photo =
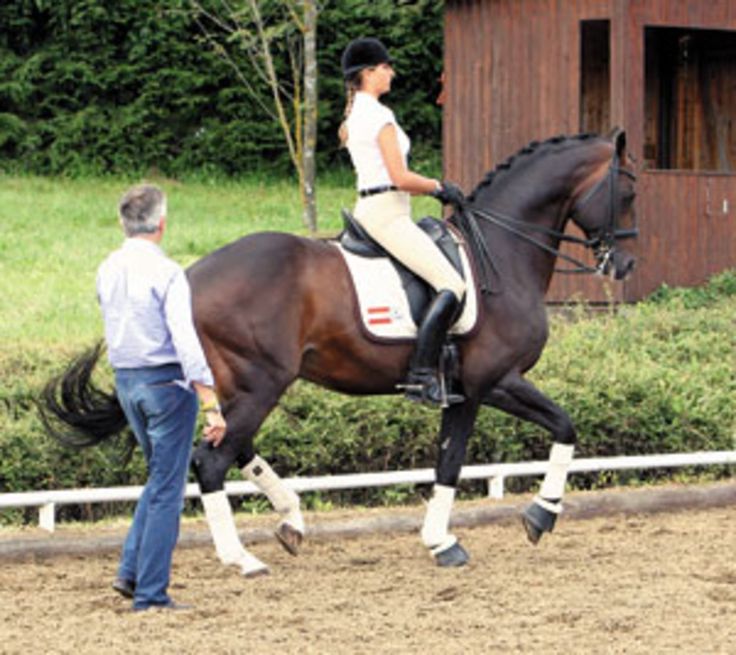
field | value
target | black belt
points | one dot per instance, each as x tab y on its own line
364	193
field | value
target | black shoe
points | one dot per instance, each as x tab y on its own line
423	386
124	587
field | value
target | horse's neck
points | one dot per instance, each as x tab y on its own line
539	192
529	262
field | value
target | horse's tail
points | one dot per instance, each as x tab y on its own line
74	411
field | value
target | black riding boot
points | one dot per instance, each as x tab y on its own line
423	384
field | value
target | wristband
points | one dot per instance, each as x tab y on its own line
210	406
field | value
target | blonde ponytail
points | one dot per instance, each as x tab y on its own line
351	88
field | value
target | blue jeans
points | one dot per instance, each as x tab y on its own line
162	415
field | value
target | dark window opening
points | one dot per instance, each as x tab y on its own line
690	99
595	76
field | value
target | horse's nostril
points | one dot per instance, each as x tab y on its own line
624	268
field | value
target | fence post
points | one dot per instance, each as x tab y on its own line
47	517
495	486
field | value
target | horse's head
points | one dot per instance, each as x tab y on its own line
605	212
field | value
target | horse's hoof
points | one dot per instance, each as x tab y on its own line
537	520
290	538
532	532
455	555
257	573
250	566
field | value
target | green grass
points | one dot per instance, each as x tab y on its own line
56	231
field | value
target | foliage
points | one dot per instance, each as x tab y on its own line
94	86
697	297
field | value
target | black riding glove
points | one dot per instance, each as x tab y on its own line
449	194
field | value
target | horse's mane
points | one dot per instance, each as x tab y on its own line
531	148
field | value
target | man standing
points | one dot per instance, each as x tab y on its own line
160	370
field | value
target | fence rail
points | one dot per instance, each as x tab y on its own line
496	475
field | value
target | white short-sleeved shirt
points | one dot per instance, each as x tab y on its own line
367	118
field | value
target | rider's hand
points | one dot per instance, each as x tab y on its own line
449	194
215	426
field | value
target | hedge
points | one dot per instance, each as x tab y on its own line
126	87
654	377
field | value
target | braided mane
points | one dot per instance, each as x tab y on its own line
528	149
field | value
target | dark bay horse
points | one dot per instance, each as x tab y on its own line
272	307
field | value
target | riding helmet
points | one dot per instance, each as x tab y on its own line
363	53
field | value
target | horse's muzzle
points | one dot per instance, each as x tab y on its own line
621	264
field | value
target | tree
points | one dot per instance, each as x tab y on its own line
277	40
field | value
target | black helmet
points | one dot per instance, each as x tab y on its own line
363	53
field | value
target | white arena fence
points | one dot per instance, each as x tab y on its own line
495	474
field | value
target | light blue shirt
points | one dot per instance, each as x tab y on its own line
147	310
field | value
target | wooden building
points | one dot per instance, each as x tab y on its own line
665	70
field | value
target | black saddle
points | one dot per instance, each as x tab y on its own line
419	294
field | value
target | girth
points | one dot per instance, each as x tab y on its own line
355	239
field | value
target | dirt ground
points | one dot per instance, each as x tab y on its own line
659	583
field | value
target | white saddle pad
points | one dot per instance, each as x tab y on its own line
384	307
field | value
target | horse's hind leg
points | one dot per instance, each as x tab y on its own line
457	424
210	467
245	411
521	398
284	500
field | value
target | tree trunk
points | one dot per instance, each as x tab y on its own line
310	114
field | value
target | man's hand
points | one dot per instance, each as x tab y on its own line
449	194
214	430
215	426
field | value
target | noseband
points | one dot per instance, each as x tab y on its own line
603	243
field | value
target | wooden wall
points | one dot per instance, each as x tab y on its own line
511	76
513	73
686	236
687	223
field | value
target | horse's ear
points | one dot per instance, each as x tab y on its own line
618	137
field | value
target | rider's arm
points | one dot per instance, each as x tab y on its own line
401	176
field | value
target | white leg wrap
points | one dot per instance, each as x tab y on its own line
227	543
555	508
437	519
284	500
560	458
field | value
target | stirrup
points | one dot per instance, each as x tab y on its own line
429	389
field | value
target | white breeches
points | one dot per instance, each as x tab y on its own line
387	218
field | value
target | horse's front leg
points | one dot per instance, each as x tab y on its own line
457	424
519	397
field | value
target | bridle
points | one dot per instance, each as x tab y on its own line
602	243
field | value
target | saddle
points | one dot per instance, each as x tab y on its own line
356	240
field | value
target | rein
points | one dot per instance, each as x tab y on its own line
603	244
513	226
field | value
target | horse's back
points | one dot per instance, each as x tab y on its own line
266	275
254	256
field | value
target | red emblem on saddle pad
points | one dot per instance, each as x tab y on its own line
379	315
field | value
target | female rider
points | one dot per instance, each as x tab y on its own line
379	148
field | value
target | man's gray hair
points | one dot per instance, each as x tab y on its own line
141	209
